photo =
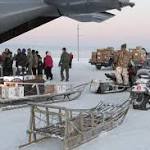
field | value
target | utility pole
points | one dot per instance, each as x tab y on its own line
78	41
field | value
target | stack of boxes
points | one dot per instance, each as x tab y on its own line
11	91
99	55
49	89
103	55
56	89
60	88
94	57
138	54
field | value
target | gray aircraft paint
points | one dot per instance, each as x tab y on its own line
18	16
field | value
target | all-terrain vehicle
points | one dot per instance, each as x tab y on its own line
140	92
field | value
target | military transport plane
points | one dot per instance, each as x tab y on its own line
20	16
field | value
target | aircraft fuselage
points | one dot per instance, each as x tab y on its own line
67	7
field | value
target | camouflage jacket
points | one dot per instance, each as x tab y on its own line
64	60
123	59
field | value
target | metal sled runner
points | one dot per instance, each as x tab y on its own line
73	126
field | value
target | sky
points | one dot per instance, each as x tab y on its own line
131	26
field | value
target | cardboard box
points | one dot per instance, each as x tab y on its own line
50	89
9	92
60	88
3	92
20	91
94	57
10	84
136	54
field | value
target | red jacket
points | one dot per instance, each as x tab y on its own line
48	61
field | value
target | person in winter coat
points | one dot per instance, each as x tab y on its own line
64	64
30	61
40	68
21	61
71	58
17	57
7	65
34	63
40	65
48	65
122	61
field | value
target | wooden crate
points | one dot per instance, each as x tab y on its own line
93	57
50	89
136	54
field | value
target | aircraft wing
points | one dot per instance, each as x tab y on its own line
92	17
20	16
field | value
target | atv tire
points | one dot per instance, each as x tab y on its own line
143	100
98	67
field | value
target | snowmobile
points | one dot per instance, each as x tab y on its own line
111	86
140	92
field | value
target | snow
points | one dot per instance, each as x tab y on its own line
133	134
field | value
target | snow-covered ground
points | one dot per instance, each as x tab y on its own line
133	134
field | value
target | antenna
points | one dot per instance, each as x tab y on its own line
78	41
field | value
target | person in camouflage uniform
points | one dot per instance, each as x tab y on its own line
122	61
64	64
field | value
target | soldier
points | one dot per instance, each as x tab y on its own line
64	64
122	61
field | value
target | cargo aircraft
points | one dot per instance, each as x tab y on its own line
20	16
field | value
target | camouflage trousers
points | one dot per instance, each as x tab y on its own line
122	75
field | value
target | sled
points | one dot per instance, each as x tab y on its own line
71	93
106	87
73	126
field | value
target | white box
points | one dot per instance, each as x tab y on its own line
60	88
20	91
29	77
3	92
8	92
